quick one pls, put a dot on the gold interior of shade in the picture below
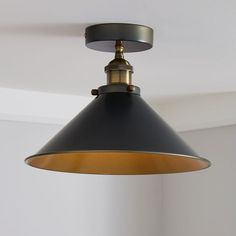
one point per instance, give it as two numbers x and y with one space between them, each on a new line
117 163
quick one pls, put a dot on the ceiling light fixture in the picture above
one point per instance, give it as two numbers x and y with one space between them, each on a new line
118 133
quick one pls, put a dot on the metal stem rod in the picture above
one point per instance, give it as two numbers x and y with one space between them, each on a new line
119 49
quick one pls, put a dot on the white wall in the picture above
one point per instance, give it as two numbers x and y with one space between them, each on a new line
204 203
37 202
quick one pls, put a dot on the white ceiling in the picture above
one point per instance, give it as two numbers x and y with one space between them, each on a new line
42 46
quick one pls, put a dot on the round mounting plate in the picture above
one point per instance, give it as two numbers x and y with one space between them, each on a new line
102 37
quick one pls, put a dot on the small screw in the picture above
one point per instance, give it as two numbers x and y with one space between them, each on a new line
130 88
94 92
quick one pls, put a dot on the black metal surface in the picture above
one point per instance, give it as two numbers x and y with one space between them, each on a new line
119 88
102 37
117 121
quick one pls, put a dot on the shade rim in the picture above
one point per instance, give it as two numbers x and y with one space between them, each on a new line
175 155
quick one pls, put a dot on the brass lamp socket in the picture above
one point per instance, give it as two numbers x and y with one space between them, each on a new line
119 76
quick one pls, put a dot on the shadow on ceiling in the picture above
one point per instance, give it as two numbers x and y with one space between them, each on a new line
50 30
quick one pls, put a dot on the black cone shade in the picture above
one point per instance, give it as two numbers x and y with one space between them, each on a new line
117 133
